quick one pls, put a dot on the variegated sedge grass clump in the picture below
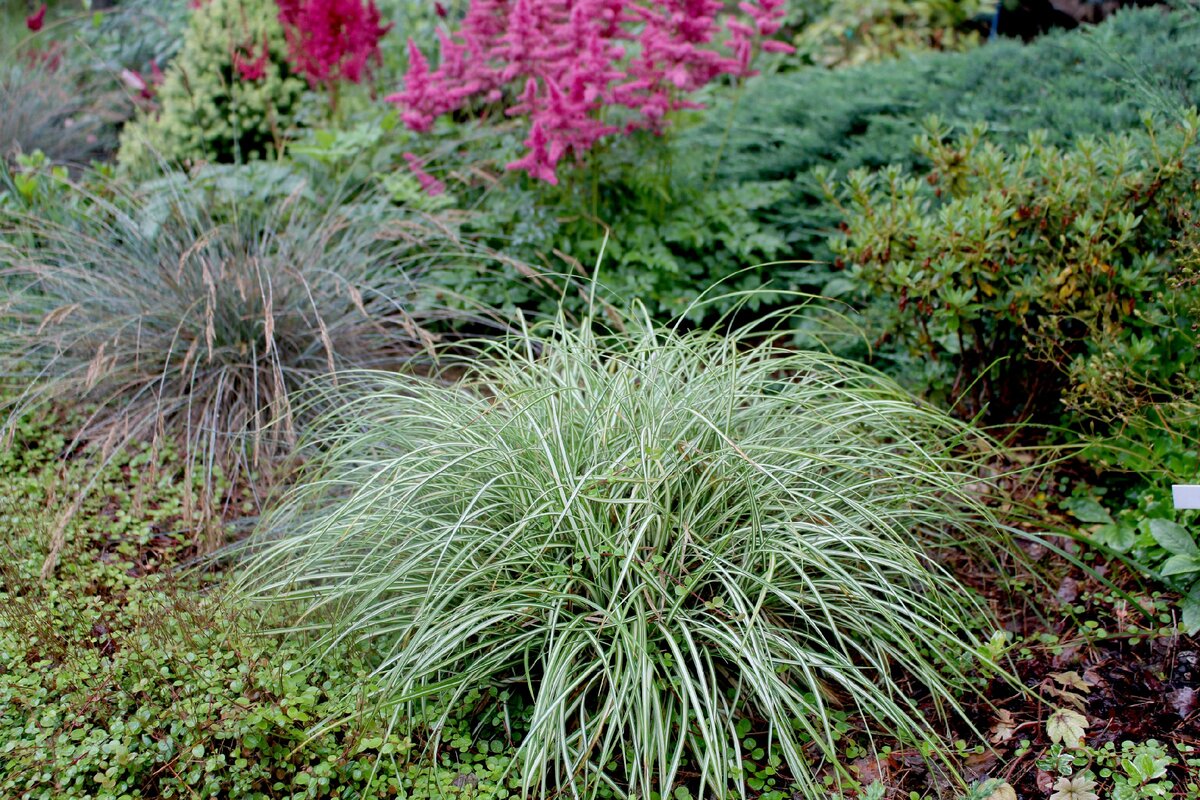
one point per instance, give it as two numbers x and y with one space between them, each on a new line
653 533
194 317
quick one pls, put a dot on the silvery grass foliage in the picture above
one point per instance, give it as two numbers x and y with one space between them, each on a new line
61 112
182 314
655 533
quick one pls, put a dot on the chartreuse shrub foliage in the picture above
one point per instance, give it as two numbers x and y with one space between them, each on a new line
848 32
1052 261
228 96
1087 82
187 316
650 534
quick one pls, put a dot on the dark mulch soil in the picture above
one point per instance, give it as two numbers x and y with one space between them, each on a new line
1142 678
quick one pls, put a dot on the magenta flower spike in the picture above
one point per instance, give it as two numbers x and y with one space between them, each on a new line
582 70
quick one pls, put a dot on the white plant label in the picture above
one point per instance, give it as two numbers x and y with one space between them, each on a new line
1186 496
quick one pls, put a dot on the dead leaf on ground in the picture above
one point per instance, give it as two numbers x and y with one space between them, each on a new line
979 765
1003 791
1005 727
1183 701
1071 680
1092 677
1045 781
1066 726
1068 697
871 770
1068 591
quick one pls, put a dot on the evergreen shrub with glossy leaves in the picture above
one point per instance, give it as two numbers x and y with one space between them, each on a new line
1038 274
653 534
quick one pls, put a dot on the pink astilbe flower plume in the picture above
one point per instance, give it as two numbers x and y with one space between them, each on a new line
35 21
252 67
431 185
538 162
420 98
332 40
581 70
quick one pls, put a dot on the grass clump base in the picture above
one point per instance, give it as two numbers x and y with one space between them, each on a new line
649 534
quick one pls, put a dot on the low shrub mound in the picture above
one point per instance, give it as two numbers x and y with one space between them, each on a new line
650 535
1087 82
1033 279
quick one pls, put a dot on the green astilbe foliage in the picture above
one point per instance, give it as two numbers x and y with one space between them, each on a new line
660 244
209 107
653 534
183 317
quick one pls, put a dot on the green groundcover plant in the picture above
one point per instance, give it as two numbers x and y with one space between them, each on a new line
649 535
120 678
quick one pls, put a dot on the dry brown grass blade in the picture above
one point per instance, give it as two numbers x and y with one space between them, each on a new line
96 368
56 316
58 534
268 318
210 313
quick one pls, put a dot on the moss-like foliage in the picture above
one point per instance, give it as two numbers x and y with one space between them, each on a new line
122 678
229 96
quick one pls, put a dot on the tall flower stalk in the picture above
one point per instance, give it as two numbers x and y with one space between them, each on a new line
583 70
332 41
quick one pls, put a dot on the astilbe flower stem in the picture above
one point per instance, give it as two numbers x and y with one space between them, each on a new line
251 66
431 185
566 62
